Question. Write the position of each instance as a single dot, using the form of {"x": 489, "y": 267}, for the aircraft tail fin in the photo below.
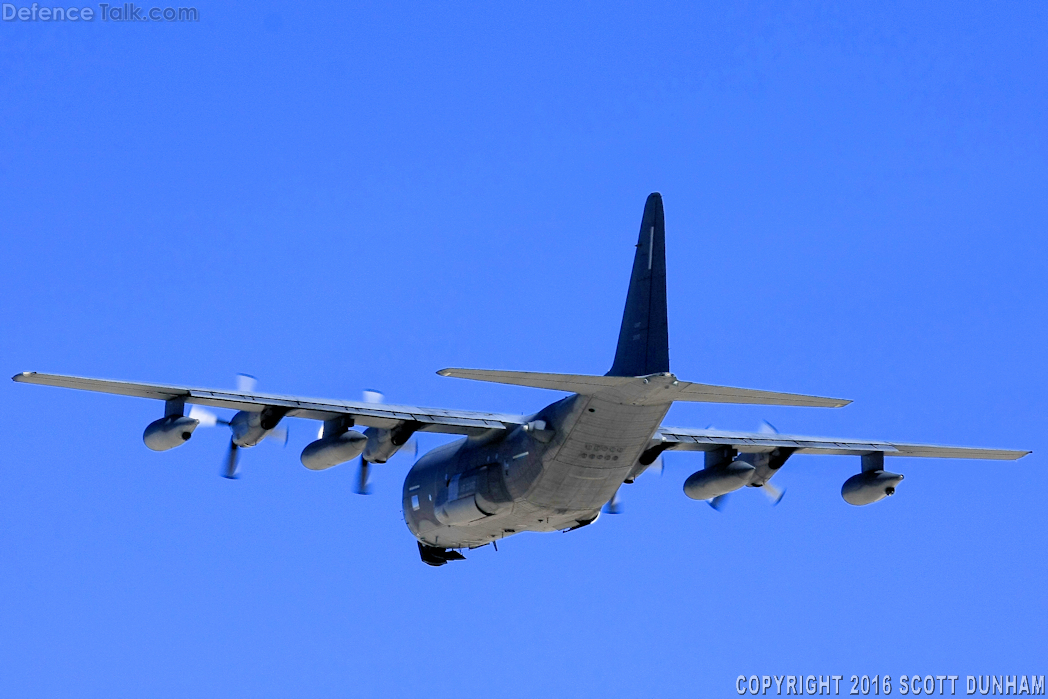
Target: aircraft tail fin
{"x": 644, "y": 346}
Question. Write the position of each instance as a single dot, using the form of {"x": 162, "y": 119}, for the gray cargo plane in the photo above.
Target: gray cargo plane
{"x": 550, "y": 471}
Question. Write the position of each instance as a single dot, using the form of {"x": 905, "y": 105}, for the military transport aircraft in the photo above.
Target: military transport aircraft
{"x": 550, "y": 471}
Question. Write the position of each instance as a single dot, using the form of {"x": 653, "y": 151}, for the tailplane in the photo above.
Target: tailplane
{"x": 644, "y": 344}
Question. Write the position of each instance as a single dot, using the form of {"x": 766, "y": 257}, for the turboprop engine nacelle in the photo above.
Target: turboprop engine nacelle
{"x": 384, "y": 443}
{"x": 711, "y": 482}
{"x": 169, "y": 432}
{"x": 869, "y": 487}
{"x": 332, "y": 451}
{"x": 251, "y": 427}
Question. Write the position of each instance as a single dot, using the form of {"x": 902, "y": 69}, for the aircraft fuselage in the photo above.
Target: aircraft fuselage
{"x": 553, "y": 473}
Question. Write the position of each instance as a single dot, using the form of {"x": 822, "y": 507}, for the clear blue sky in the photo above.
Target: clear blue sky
{"x": 336, "y": 197}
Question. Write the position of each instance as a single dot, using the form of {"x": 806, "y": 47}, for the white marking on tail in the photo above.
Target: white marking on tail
{"x": 651, "y": 244}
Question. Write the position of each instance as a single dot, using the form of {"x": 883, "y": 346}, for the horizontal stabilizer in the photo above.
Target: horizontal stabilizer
{"x": 585, "y": 384}
{"x": 705, "y": 393}
{"x": 662, "y": 388}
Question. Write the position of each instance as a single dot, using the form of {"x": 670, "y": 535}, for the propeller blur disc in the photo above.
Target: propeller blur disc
{"x": 206, "y": 417}
{"x": 279, "y": 434}
{"x": 232, "y": 457}
{"x": 614, "y": 505}
{"x": 246, "y": 383}
{"x": 362, "y": 478}
{"x": 773, "y": 493}
{"x": 203, "y": 415}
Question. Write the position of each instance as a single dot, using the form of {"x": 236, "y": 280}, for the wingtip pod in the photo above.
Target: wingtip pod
{"x": 22, "y": 376}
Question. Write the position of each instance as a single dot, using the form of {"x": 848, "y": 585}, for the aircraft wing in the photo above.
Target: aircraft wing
{"x": 687, "y": 439}
{"x": 367, "y": 414}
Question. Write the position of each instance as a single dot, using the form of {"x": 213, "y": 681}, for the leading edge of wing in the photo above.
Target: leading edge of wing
{"x": 369, "y": 414}
{"x": 686, "y": 439}
{"x": 659, "y": 388}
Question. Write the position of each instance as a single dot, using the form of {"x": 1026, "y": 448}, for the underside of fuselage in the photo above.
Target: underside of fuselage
{"x": 475, "y": 491}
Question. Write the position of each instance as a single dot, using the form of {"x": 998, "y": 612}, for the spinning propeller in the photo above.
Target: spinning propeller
{"x": 773, "y": 493}
{"x": 245, "y": 384}
{"x": 614, "y": 506}
{"x": 364, "y": 470}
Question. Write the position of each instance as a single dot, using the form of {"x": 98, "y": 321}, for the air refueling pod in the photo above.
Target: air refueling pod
{"x": 709, "y": 483}
{"x": 337, "y": 445}
{"x": 334, "y": 450}
{"x": 172, "y": 430}
{"x": 169, "y": 432}
{"x": 873, "y": 484}
{"x": 721, "y": 475}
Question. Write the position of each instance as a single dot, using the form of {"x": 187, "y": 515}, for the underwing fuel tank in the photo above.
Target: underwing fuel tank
{"x": 711, "y": 482}
{"x": 169, "y": 432}
{"x": 332, "y": 451}
{"x": 869, "y": 487}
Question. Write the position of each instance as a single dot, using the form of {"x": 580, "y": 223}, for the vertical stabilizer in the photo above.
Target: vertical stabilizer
{"x": 644, "y": 344}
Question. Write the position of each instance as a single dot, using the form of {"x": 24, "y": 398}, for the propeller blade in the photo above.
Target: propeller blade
{"x": 767, "y": 428}
{"x": 614, "y": 505}
{"x": 773, "y": 493}
{"x": 373, "y": 396}
{"x": 279, "y": 434}
{"x": 232, "y": 457}
{"x": 718, "y": 502}
{"x": 658, "y": 465}
{"x": 411, "y": 448}
{"x": 206, "y": 417}
{"x": 362, "y": 478}
{"x": 246, "y": 383}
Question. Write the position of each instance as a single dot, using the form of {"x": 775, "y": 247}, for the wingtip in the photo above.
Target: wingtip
{"x": 22, "y": 376}
{"x": 444, "y": 372}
